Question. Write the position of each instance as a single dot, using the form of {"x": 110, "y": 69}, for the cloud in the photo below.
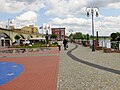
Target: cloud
{"x": 17, "y": 6}
{"x": 101, "y": 3}
{"x": 77, "y": 24}
{"x": 11, "y": 6}
{"x": 55, "y": 7}
{"x": 34, "y": 5}
{"x": 114, "y": 5}
{"x": 65, "y": 13}
{"x": 26, "y": 18}
{"x": 104, "y": 25}
{"x": 64, "y": 7}
{"x": 70, "y": 21}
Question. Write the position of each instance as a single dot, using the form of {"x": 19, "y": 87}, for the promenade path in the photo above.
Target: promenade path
{"x": 77, "y": 68}
{"x": 82, "y": 69}
{"x": 40, "y": 70}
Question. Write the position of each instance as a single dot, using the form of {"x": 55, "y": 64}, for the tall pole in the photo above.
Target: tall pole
{"x": 46, "y": 36}
{"x": 71, "y": 36}
{"x": 93, "y": 46}
{"x": 92, "y": 11}
{"x": 9, "y": 22}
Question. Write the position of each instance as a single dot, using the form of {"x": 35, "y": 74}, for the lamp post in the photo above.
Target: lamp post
{"x": 9, "y": 28}
{"x": 46, "y": 36}
{"x": 93, "y": 11}
{"x": 71, "y": 37}
{"x": 9, "y": 22}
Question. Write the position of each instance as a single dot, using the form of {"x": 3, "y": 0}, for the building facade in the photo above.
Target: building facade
{"x": 60, "y": 32}
{"x": 30, "y": 29}
{"x": 7, "y": 36}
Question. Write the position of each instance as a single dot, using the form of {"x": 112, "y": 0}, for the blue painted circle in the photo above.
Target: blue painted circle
{"x": 9, "y": 71}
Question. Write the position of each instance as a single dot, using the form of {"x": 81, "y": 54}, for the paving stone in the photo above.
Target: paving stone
{"x": 74, "y": 75}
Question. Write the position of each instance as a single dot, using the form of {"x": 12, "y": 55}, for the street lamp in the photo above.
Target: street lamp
{"x": 71, "y": 35}
{"x": 9, "y": 28}
{"x": 46, "y": 36}
{"x": 9, "y": 22}
{"x": 93, "y": 11}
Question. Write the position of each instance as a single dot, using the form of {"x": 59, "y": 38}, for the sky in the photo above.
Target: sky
{"x": 69, "y": 14}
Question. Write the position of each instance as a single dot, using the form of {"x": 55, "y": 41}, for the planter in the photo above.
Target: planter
{"x": 98, "y": 48}
{"x": 109, "y": 50}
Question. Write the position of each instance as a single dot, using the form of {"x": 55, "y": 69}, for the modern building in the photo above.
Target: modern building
{"x": 60, "y": 32}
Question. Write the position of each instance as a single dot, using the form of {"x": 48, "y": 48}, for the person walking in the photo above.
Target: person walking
{"x": 65, "y": 41}
{"x": 59, "y": 45}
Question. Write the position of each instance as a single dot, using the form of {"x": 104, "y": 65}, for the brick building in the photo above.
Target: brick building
{"x": 60, "y": 32}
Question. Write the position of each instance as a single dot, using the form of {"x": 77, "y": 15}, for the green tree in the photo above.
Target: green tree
{"x": 78, "y": 35}
{"x": 118, "y": 34}
{"x": 71, "y": 35}
{"x": 87, "y": 37}
{"x": 113, "y": 36}
{"x": 114, "y": 45}
{"x": 53, "y": 36}
{"x": 84, "y": 36}
{"x": 17, "y": 37}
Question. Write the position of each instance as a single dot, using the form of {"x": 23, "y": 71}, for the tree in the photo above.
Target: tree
{"x": 113, "y": 36}
{"x": 17, "y": 37}
{"x": 78, "y": 35}
{"x": 118, "y": 34}
{"x": 71, "y": 35}
{"x": 84, "y": 36}
{"x": 87, "y": 37}
{"x": 53, "y": 36}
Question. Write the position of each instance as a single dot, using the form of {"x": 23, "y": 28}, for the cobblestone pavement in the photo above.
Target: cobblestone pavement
{"x": 89, "y": 71}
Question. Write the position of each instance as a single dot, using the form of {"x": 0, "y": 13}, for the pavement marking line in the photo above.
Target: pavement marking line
{"x": 91, "y": 64}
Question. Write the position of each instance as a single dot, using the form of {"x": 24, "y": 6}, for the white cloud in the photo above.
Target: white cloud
{"x": 27, "y": 16}
{"x": 1, "y": 24}
{"x": 17, "y": 6}
{"x": 77, "y": 24}
{"x": 35, "y": 5}
{"x": 104, "y": 25}
{"x": 55, "y": 7}
{"x": 114, "y": 5}
{"x": 65, "y": 13}
{"x": 107, "y": 25}
{"x": 70, "y": 21}
{"x": 64, "y": 7}
{"x": 11, "y": 6}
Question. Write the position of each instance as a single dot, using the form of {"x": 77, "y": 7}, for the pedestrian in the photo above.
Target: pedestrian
{"x": 59, "y": 45}
{"x": 65, "y": 41}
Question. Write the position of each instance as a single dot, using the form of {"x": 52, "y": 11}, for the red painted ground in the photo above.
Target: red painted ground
{"x": 40, "y": 73}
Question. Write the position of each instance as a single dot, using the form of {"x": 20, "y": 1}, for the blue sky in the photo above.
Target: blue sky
{"x": 70, "y": 14}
